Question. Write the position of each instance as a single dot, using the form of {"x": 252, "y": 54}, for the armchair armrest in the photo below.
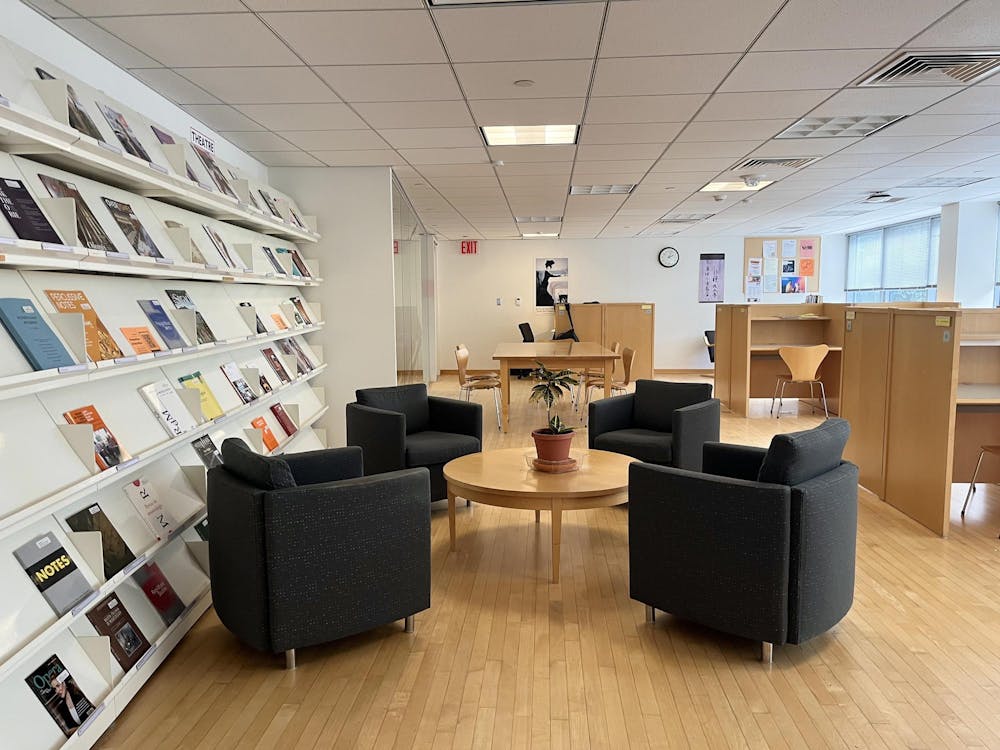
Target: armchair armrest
{"x": 381, "y": 435}
{"x": 344, "y": 556}
{"x": 692, "y": 427}
{"x": 609, "y": 414}
{"x": 711, "y": 549}
{"x": 735, "y": 461}
{"x": 460, "y": 417}
{"x": 326, "y": 465}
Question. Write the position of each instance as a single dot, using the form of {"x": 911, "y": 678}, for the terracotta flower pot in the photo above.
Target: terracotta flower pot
{"x": 552, "y": 447}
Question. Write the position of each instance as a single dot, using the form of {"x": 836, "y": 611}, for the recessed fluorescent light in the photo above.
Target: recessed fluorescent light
{"x": 601, "y": 189}
{"x": 529, "y": 135}
{"x": 537, "y": 219}
{"x": 936, "y": 182}
{"x": 689, "y": 218}
{"x": 729, "y": 187}
{"x": 838, "y": 127}
{"x": 538, "y": 235}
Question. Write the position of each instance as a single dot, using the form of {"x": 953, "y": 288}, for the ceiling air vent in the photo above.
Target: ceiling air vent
{"x": 792, "y": 162}
{"x": 944, "y": 182}
{"x": 684, "y": 218}
{"x": 537, "y": 219}
{"x": 935, "y": 69}
{"x": 848, "y": 126}
{"x": 601, "y": 189}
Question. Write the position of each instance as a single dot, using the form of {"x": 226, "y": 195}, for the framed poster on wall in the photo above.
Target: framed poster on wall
{"x": 711, "y": 277}
{"x": 551, "y": 281}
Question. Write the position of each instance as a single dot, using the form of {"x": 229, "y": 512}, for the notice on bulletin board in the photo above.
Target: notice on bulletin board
{"x": 807, "y": 266}
{"x": 711, "y": 277}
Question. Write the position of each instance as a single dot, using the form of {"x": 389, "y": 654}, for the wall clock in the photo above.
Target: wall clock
{"x": 668, "y": 257}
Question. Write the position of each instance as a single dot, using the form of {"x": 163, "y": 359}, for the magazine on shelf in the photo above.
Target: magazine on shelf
{"x": 272, "y": 206}
{"x": 107, "y": 451}
{"x": 23, "y": 214}
{"x": 120, "y": 127}
{"x": 207, "y": 451}
{"x": 296, "y": 219}
{"x": 278, "y": 268}
{"x": 265, "y": 385}
{"x": 209, "y": 405}
{"x": 220, "y": 246}
{"x": 214, "y": 171}
{"x": 303, "y": 310}
{"x": 201, "y": 528}
{"x": 160, "y": 593}
{"x": 79, "y": 119}
{"x": 100, "y": 344}
{"x": 132, "y": 228}
{"x": 279, "y": 369}
{"x": 168, "y": 140}
{"x": 32, "y": 335}
{"x": 239, "y": 383}
{"x": 182, "y": 301}
{"x": 110, "y": 618}
{"x": 279, "y": 321}
{"x": 278, "y": 410}
{"x": 141, "y": 339}
{"x": 90, "y": 233}
{"x": 58, "y": 692}
{"x": 117, "y": 554}
{"x": 270, "y": 441}
{"x": 196, "y": 254}
{"x": 168, "y": 407}
{"x": 154, "y": 311}
{"x": 261, "y": 328}
{"x": 53, "y": 572}
{"x": 143, "y": 496}
{"x": 291, "y": 348}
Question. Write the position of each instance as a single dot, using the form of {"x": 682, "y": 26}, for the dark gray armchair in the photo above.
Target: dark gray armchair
{"x": 401, "y": 427}
{"x": 661, "y": 423}
{"x": 761, "y": 545}
{"x": 305, "y": 550}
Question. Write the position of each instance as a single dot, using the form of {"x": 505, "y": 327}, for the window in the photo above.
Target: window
{"x": 896, "y": 263}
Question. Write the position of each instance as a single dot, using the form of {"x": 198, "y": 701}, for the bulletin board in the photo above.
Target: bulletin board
{"x": 790, "y": 265}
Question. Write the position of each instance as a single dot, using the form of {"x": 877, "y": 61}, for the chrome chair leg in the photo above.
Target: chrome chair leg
{"x": 822, "y": 390}
{"x": 290, "y": 659}
{"x": 972, "y": 484}
{"x": 781, "y": 399}
{"x": 408, "y": 624}
{"x": 650, "y": 614}
{"x": 767, "y": 652}
{"x": 777, "y": 382}
{"x": 496, "y": 402}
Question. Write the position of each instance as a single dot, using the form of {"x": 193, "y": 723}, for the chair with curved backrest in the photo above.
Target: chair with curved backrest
{"x": 469, "y": 383}
{"x": 617, "y": 386}
{"x": 803, "y": 364}
{"x": 710, "y": 345}
{"x": 527, "y": 335}
{"x": 587, "y": 376}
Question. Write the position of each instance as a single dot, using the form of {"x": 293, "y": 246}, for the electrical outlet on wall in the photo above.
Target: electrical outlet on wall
{"x": 498, "y": 302}
{"x": 517, "y": 302}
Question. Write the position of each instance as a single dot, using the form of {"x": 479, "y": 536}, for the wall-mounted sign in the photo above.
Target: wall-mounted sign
{"x": 202, "y": 141}
{"x": 395, "y": 247}
{"x": 711, "y": 277}
{"x": 470, "y": 247}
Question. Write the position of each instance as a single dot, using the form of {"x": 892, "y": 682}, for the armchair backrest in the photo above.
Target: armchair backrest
{"x": 656, "y": 400}
{"x": 409, "y": 400}
{"x": 797, "y": 457}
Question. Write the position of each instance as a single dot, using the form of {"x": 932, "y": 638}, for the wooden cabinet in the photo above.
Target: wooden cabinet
{"x": 631, "y": 323}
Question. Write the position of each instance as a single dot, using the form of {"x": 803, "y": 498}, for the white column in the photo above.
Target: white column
{"x": 967, "y": 253}
{"x": 353, "y": 206}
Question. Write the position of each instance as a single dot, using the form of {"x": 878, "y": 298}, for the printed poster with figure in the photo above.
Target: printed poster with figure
{"x": 711, "y": 277}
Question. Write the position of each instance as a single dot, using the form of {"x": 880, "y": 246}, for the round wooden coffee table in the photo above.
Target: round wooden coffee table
{"x": 502, "y": 478}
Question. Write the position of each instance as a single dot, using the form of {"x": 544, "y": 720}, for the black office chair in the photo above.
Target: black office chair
{"x": 527, "y": 337}
{"x": 710, "y": 345}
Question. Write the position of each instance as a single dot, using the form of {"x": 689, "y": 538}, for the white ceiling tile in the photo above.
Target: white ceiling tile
{"x": 975, "y": 24}
{"x": 169, "y": 84}
{"x": 50, "y": 8}
{"x": 433, "y": 137}
{"x": 391, "y": 83}
{"x": 712, "y": 164}
{"x": 265, "y": 5}
{"x": 620, "y": 152}
{"x": 552, "y": 78}
{"x": 733, "y": 130}
{"x": 804, "y": 146}
{"x": 953, "y": 125}
{"x": 756, "y": 106}
{"x": 514, "y": 154}
{"x": 359, "y": 158}
{"x": 683, "y": 27}
{"x": 527, "y": 111}
{"x": 974, "y": 144}
{"x": 419, "y": 156}
{"x": 313, "y": 140}
{"x": 710, "y": 149}
{"x": 222, "y": 117}
{"x": 682, "y": 74}
{"x": 261, "y": 85}
{"x": 201, "y": 40}
{"x": 890, "y": 144}
{"x": 789, "y": 71}
{"x": 157, "y": 7}
{"x": 359, "y": 37}
{"x": 643, "y": 109}
{"x": 452, "y": 170}
{"x": 391, "y": 115}
{"x": 286, "y": 159}
{"x": 590, "y": 173}
{"x": 978, "y": 100}
{"x": 849, "y": 24}
{"x": 551, "y": 168}
{"x": 119, "y": 52}
{"x": 302, "y": 116}
{"x": 881, "y": 101}
{"x": 653, "y": 132}
{"x": 547, "y": 31}
{"x": 257, "y": 140}
{"x": 945, "y": 160}
{"x": 851, "y": 158}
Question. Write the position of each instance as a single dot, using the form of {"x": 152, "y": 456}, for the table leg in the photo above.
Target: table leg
{"x": 556, "y": 537}
{"x": 505, "y": 393}
{"x": 538, "y": 516}
{"x": 451, "y": 517}
{"x": 608, "y": 370}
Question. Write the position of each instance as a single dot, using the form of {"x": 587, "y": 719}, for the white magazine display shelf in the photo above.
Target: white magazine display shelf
{"x": 48, "y": 466}
{"x": 34, "y": 120}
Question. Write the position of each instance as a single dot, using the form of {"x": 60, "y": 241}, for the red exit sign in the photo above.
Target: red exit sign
{"x": 470, "y": 247}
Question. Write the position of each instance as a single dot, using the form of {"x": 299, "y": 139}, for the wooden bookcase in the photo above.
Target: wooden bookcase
{"x": 631, "y": 323}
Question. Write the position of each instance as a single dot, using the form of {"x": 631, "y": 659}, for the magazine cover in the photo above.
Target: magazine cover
{"x": 141, "y": 339}
{"x": 168, "y": 140}
{"x": 53, "y": 572}
{"x": 209, "y": 405}
{"x": 23, "y": 214}
{"x": 107, "y": 451}
{"x": 291, "y": 348}
{"x": 270, "y": 441}
{"x": 271, "y": 205}
{"x": 117, "y": 554}
{"x": 239, "y": 383}
{"x": 100, "y": 344}
{"x": 90, "y": 232}
{"x": 196, "y": 254}
{"x": 207, "y": 451}
{"x": 142, "y": 494}
{"x": 132, "y": 228}
{"x": 213, "y": 170}
{"x": 78, "y": 117}
{"x": 278, "y": 410}
{"x": 202, "y": 529}
{"x": 182, "y": 301}
{"x": 278, "y": 268}
{"x": 300, "y": 307}
{"x": 220, "y": 246}
{"x": 167, "y": 406}
{"x": 109, "y": 617}
{"x": 27, "y": 328}
{"x": 62, "y": 697}
{"x": 161, "y": 322}
{"x": 259, "y": 324}
{"x": 122, "y": 131}
{"x": 279, "y": 369}
{"x": 160, "y": 593}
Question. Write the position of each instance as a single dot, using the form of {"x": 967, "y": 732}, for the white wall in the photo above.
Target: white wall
{"x": 353, "y": 206}
{"x": 600, "y": 270}
{"x": 967, "y": 253}
{"x": 29, "y": 29}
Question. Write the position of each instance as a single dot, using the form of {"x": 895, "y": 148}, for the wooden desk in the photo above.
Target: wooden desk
{"x": 553, "y": 354}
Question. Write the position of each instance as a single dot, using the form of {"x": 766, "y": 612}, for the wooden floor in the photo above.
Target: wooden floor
{"x": 503, "y": 659}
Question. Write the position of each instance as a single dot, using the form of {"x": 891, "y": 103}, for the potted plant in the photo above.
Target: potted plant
{"x": 552, "y": 442}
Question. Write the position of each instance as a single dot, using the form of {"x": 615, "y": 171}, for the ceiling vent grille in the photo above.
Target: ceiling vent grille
{"x": 943, "y": 182}
{"x": 846, "y": 211}
{"x": 789, "y": 162}
{"x": 848, "y": 126}
{"x": 537, "y": 219}
{"x": 601, "y": 189}
{"x": 935, "y": 69}
{"x": 684, "y": 218}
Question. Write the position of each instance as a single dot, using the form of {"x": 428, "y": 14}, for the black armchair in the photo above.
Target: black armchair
{"x": 401, "y": 427}
{"x": 761, "y": 545}
{"x": 661, "y": 423}
{"x": 305, "y": 550}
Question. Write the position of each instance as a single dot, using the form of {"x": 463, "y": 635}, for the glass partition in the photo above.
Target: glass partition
{"x": 413, "y": 276}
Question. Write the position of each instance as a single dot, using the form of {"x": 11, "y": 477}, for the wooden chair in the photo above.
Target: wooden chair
{"x": 617, "y": 386}
{"x": 588, "y": 376}
{"x": 469, "y": 383}
{"x": 993, "y": 450}
{"x": 803, "y": 363}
